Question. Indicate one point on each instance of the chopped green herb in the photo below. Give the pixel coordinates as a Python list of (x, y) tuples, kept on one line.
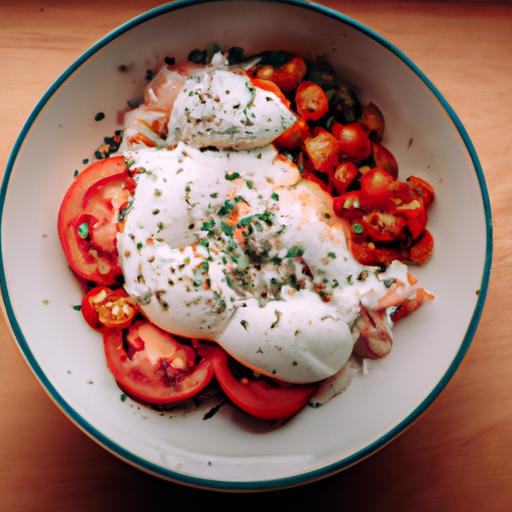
[(276, 321), (389, 282), (335, 283), (226, 228), (331, 255), (83, 230), (140, 245), (327, 216), (99, 116), (122, 397), (258, 156), (77, 307), (211, 413), (244, 324), (295, 251), (266, 216), (214, 195), (230, 176), (85, 161), (275, 196), (156, 211), (208, 225), (250, 184), (75, 173)]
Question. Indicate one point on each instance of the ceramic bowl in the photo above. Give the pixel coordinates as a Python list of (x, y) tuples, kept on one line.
[(230, 451)]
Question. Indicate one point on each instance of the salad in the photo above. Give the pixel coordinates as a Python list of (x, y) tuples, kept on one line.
[(246, 226)]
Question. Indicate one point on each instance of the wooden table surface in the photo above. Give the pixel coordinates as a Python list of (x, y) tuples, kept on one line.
[(459, 455)]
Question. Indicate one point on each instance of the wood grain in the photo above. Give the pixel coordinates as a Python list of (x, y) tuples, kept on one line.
[(459, 455)]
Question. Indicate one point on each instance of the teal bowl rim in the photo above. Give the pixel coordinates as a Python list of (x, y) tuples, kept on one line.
[(262, 484)]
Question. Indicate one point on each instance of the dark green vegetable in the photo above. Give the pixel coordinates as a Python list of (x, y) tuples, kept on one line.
[(197, 56), (275, 59), (99, 116), (345, 105), (235, 55), (320, 72)]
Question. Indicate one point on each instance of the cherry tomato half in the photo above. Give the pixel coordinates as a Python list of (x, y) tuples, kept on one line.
[(373, 122), (161, 370), (103, 307), (415, 215), (354, 142), (348, 205), (422, 249), (384, 159), (288, 77), (260, 397), (294, 136), (311, 100), (383, 226), (421, 189), (376, 187)]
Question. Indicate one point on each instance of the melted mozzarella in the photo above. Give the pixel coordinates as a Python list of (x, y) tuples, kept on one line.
[(223, 109), (211, 249)]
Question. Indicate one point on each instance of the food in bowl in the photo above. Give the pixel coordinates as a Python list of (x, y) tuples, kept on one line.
[(252, 229)]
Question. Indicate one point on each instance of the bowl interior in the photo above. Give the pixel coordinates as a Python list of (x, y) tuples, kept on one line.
[(231, 449)]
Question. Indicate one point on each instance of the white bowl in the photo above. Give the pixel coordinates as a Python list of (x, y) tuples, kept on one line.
[(230, 451)]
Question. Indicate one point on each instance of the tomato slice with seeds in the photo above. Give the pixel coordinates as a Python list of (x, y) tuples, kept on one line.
[(260, 397), (415, 215), (422, 190), (88, 216), (376, 187), (153, 366), (103, 307), (383, 226)]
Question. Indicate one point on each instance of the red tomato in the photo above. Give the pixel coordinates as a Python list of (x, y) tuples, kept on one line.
[(422, 190), (161, 370), (354, 142), (336, 129), (383, 226), (373, 122), (103, 307), (87, 241), (269, 86), (288, 77), (376, 187), (294, 136), (348, 205), (322, 150), (311, 100), (343, 176), (384, 159), (311, 176), (422, 249), (415, 215), (368, 254), (262, 398)]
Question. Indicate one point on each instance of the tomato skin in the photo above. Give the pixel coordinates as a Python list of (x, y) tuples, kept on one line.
[(89, 313), (311, 100), (100, 267), (256, 396), (376, 186), (422, 190), (373, 122), (422, 249), (343, 176), (354, 142), (294, 136), (415, 215), (384, 159), (150, 376), (322, 150)]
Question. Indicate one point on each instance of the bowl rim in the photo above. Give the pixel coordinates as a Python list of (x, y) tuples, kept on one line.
[(287, 481)]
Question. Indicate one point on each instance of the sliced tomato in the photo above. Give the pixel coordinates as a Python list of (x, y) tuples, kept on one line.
[(383, 226), (376, 186), (322, 150), (354, 142), (422, 190), (311, 100), (384, 159), (311, 176), (90, 250), (415, 215), (260, 397), (294, 136), (422, 249), (367, 253), (160, 370), (343, 176)]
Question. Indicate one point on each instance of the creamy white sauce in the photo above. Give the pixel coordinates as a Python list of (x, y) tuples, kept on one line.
[(289, 317)]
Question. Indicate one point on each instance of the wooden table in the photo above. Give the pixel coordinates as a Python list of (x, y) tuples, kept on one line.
[(459, 455)]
